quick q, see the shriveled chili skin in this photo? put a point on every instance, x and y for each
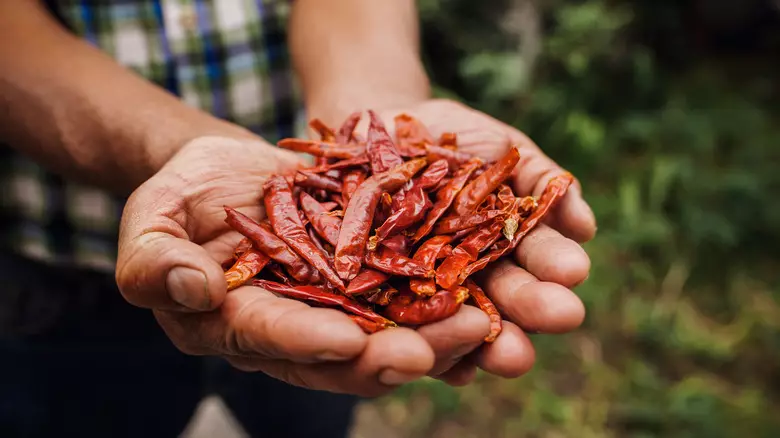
(321, 148)
(271, 245)
(352, 180)
(455, 159)
(449, 140)
(316, 181)
(445, 197)
(488, 204)
(277, 271)
(446, 250)
(466, 252)
(326, 225)
(478, 189)
(347, 129)
(322, 296)
(243, 246)
(456, 223)
(552, 194)
(318, 243)
(383, 296)
(358, 161)
(382, 153)
(398, 243)
(412, 210)
(249, 264)
(367, 280)
(408, 309)
(426, 255)
(329, 205)
(486, 305)
(395, 264)
(283, 215)
(411, 135)
(359, 215)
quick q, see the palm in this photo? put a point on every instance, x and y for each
(216, 172)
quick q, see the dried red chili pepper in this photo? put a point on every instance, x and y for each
(382, 153)
(412, 210)
(243, 246)
(467, 252)
(316, 181)
(487, 306)
(366, 280)
(266, 241)
(249, 264)
(456, 223)
(347, 130)
(358, 161)
(321, 148)
(398, 243)
(283, 215)
(411, 135)
(383, 296)
(477, 190)
(318, 243)
(395, 264)
(445, 252)
(426, 255)
(369, 326)
(329, 205)
(359, 215)
(445, 197)
(322, 296)
(488, 204)
(326, 224)
(325, 132)
(553, 192)
(406, 308)
(352, 180)
(455, 159)
(449, 140)
(277, 271)
(335, 197)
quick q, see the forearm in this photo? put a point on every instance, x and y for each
(77, 112)
(357, 54)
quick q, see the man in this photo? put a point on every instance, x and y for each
(177, 104)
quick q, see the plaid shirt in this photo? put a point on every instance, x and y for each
(226, 57)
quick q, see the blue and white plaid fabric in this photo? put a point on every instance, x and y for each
(226, 57)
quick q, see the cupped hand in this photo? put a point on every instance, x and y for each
(533, 291)
(172, 240)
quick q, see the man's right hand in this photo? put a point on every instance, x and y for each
(172, 238)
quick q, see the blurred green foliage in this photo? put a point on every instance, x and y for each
(673, 126)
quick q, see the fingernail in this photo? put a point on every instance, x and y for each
(188, 287)
(392, 377)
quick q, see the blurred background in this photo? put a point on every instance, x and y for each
(669, 113)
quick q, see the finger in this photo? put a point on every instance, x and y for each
(392, 357)
(511, 355)
(157, 265)
(549, 256)
(462, 374)
(572, 216)
(455, 337)
(254, 322)
(535, 306)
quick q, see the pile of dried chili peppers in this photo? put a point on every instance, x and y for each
(389, 230)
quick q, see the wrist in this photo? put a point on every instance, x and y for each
(334, 100)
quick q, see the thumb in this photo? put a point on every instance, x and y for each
(157, 265)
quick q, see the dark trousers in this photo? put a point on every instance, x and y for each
(76, 360)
